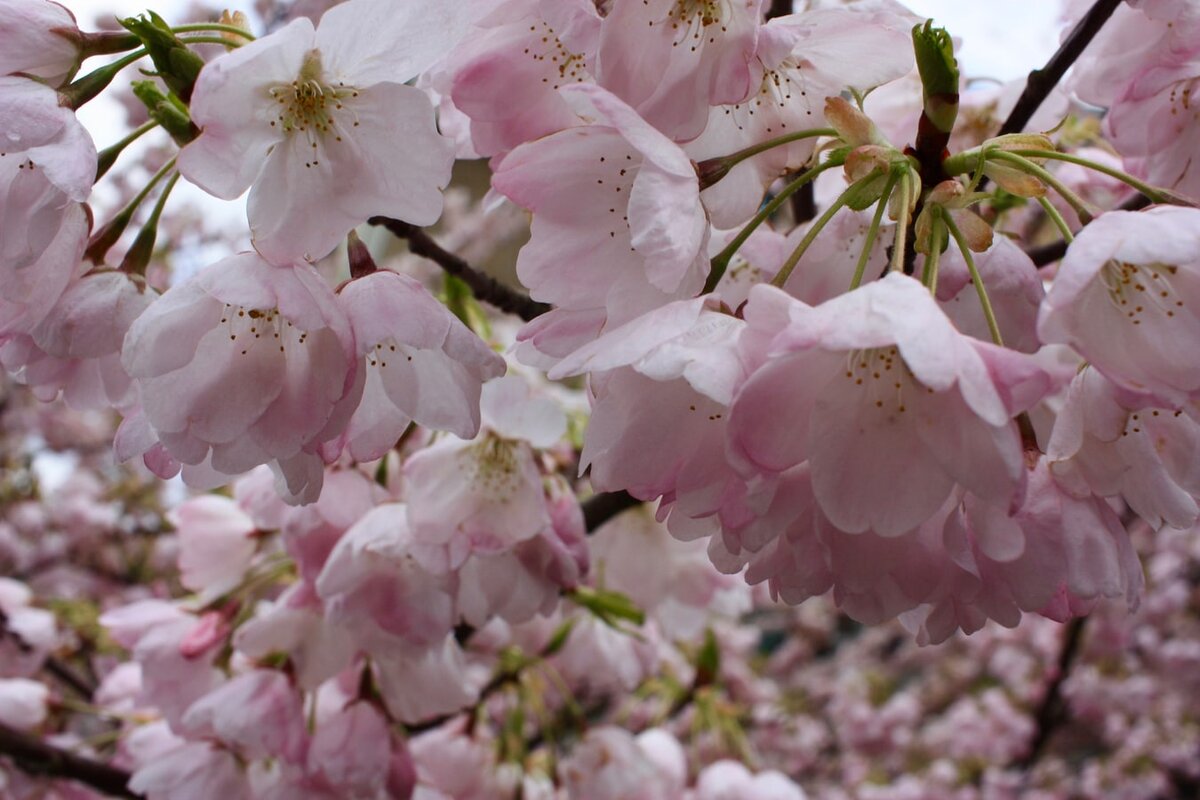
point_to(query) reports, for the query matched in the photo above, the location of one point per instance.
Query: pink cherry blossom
(23, 703)
(496, 74)
(38, 38)
(310, 118)
(245, 364)
(1127, 297)
(215, 543)
(259, 713)
(672, 60)
(882, 364)
(617, 219)
(422, 364)
(194, 771)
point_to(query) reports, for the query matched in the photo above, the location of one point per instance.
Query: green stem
(861, 267)
(711, 170)
(720, 262)
(107, 236)
(934, 256)
(810, 235)
(138, 257)
(108, 156)
(900, 244)
(1152, 192)
(1057, 219)
(1025, 165)
(209, 40)
(214, 26)
(86, 88)
(980, 289)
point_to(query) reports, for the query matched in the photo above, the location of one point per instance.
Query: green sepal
(167, 111)
(177, 65)
(939, 74)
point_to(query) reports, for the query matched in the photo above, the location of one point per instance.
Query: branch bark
(484, 287)
(35, 757)
(1042, 81)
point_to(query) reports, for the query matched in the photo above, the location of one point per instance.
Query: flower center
(1140, 289)
(311, 105)
(883, 376)
(250, 327)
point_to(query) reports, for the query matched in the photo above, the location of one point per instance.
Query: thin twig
(779, 8)
(1052, 711)
(600, 508)
(1042, 81)
(36, 757)
(484, 287)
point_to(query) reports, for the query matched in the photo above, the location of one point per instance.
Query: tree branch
(779, 8)
(36, 757)
(600, 508)
(484, 287)
(1042, 81)
(1052, 711)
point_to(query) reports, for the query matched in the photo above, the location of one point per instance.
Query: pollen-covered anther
(313, 106)
(248, 327)
(883, 376)
(1141, 289)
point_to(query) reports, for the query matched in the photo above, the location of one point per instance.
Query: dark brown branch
(484, 287)
(36, 757)
(1042, 81)
(779, 8)
(804, 204)
(1052, 711)
(600, 508)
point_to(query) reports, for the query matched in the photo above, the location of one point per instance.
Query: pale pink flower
(484, 496)
(47, 165)
(216, 543)
(351, 750)
(420, 684)
(731, 780)
(76, 349)
(423, 365)
(618, 227)
(505, 74)
(671, 61)
(374, 587)
(310, 532)
(891, 405)
(23, 703)
(1014, 289)
(194, 771)
(258, 713)
(1113, 443)
(244, 364)
(317, 648)
(1127, 297)
(39, 38)
(800, 60)
(609, 765)
(314, 121)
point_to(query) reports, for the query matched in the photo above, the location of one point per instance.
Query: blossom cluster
(412, 586)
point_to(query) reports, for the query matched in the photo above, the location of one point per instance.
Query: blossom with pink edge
(259, 713)
(1127, 298)
(505, 73)
(295, 625)
(243, 364)
(23, 703)
(1014, 289)
(730, 780)
(486, 495)
(618, 227)
(800, 60)
(1114, 443)
(422, 364)
(671, 60)
(216, 543)
(193, 771)
(47, 165)
(891, 406)
(40, 39)
(76, 349)
(311, 119)
(351, 750)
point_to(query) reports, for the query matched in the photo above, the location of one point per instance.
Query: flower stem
(210, 40)
(1028, 167)
(108, 156)
(138, 257)
(712, 170)
(1057, 219)
(720, 262)
(810, 235)
(980, 289)
(934, 256)
(86, 88)
(103, 240)
(900, 243)
(1152, 192)
(214, 26)
(861, 267)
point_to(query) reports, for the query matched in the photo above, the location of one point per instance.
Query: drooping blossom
(321, 124)
(1127, 298)
(422, 364)
(39, 38)
(672, 59)
(618, 228)
(244, 364)
(505, 74)
(215, 543)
